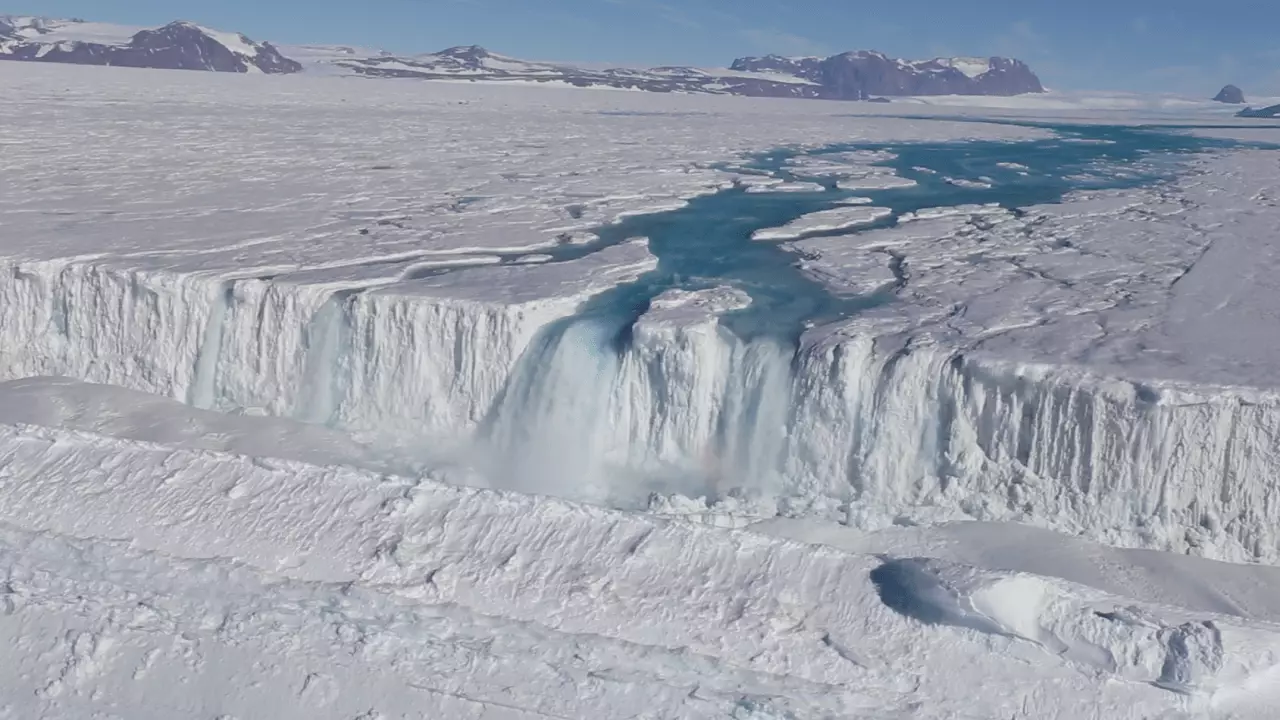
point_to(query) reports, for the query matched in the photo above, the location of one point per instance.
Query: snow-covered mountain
(476, 63)
(850, 76)
(186, 46)
(863, 74)
(176, 46)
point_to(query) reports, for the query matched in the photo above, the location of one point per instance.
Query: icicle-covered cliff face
(845, 363)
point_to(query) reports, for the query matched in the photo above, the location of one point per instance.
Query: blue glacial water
(547, 432)
(708, 242)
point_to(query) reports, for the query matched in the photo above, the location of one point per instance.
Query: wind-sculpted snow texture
(205, 566)
(345, 301)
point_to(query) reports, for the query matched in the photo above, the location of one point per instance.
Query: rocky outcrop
(1231, 95)
(176, 46)
(809, 68)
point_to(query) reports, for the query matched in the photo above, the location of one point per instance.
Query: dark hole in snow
(908, 588)
(1146, 394)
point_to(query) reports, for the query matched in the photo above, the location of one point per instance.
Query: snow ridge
(358, 565)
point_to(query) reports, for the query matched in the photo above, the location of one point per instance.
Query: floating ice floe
(878, 181)
(839, 218)
(790, 186)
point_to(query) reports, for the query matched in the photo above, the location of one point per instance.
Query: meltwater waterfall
(633, 395)
(691, 410)
(546, 426)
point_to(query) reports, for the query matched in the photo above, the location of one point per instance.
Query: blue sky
(1187, 46)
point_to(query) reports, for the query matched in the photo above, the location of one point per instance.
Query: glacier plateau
(303, 383)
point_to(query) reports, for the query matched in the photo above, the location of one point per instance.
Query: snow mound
(1133, 643)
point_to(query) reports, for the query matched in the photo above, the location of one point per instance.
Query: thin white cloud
(670, 13)
(1021, 39)
(1198, 80)
(779, 42)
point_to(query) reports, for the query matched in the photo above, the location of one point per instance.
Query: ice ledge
(429, 355)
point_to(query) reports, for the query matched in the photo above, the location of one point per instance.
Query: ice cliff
(871, 431)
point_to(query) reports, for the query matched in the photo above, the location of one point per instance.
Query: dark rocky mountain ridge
(859, 75)
(848, 76)
(176, 46)
(863, 74)
(1231, 95)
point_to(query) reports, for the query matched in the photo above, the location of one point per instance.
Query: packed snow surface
(299, 408)
(277, 588)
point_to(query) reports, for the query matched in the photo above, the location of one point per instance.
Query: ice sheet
(273, 248)
(1167, 283)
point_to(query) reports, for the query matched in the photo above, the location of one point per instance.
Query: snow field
(353, 565)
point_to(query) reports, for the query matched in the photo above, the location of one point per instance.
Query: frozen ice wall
(894, 432)
(256, 345)
(372, 359)
(870, 431)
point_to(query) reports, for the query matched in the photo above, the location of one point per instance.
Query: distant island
(1271, 111)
